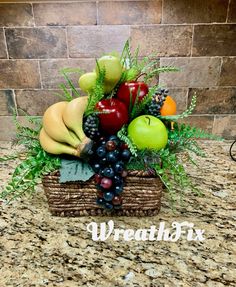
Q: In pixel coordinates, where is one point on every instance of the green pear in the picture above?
(87, 81)
(113, 69)
(108, 87)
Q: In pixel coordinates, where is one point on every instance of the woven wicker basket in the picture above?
(141, 196)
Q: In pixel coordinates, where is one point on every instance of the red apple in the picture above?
(114, 115)
(132, 89)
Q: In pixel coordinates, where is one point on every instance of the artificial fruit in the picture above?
(148, 132)
(113, 114)
(87, 81)
(129, 91)
(113, 71)
(55, 127)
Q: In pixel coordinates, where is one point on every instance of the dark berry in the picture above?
(100, 201)
(124, 146)
(108, 172)
(96, 167)
(108, 206)
(118, 189)
(119, 167)
(102, 142)
(101, 151)
(111, 145)
(118, 180)
(117, 200)
(103, 161)
(111, 157)
(126, 154)
(108, 196)
(106, 182)
(97, 178)
(115, 139)
(100, 194)
(91, 127)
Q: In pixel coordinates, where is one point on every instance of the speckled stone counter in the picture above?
(37, 249)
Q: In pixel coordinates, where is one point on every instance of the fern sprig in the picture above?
(185, 114)
(97, 92)
(122, 135)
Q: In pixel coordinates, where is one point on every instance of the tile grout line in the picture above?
(40, 76)
(227, 14)
(93, 56)
(162, 9)
(67, 45)
(193, 32)
(122, 25)
(15, 102)
(5, 42)
(32, 9)
(220, 69)
(187, 96)
(191, 49)
(97, 14)
(213, 124)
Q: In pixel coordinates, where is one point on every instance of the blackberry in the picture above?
(157, 102)
(91, 127)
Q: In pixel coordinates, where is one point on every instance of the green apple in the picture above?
(87, 81)
(113, 69)
(148, 132)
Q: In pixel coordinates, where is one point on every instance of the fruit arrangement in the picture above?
(122, 123)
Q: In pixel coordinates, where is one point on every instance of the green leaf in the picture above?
(74, 170)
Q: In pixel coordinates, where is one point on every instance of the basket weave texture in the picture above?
(141, 196)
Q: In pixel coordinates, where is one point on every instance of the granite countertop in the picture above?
(38, 249)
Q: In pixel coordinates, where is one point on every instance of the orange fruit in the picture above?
(169, 107)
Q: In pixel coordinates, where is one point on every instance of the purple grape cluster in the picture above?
(109, 161)
(157, 102)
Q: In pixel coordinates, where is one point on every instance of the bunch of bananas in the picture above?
(62, 131)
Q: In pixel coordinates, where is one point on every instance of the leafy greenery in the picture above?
(122, 135)
(97, 93)
(140, 107)
(135, 67)
(168, 166)
(37, 162)
(70, 90)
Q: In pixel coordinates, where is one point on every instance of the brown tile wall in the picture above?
(38, 38)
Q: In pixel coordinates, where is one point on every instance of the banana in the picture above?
(73, 116)
(54, 126)
(51, 146)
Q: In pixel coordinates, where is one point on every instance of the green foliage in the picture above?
(135, 67)
(97, 93)
(183, 137)
(68, 90)
(140, 107)
(152, 73)
(166, 164)
(122, 135)
(36, 163)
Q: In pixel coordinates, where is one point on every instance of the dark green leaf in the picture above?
(74, 170)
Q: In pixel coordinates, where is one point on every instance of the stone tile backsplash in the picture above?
(38, 38)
